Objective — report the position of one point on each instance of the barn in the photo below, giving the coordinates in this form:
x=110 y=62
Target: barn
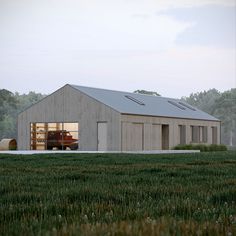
x=92 y=119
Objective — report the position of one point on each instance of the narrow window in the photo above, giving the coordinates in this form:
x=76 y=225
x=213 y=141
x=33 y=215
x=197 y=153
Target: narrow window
x=204 y=138
x=200 y=134
x=195 y=133
x=214 y=135
x=182 y=134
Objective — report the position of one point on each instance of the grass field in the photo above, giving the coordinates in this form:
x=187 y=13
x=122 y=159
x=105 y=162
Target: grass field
x=118 y=194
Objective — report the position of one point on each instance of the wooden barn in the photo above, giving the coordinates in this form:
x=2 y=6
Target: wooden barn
x=91 y=119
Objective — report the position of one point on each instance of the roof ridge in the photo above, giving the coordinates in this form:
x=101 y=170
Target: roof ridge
x=154 y=105
x=119 y=91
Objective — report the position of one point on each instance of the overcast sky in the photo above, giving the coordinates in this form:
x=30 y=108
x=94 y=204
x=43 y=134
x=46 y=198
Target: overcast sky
x=174 y=47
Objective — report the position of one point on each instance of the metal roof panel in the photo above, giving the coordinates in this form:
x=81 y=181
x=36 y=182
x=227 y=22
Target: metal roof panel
x=139 y=104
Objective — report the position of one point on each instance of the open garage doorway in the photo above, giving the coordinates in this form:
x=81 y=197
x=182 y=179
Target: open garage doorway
x=54 y=136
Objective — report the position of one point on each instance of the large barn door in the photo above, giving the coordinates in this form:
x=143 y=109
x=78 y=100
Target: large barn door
x=132 y=136
x=102 y=136
x=137 y=137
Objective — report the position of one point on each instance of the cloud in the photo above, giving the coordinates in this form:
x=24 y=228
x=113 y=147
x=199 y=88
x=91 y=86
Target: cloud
x=92 y=25
x=212 y=25
x=45 y=26
x=166 y=4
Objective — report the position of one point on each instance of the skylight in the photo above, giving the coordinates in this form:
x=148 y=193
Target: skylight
x=177 y=105
x=188 y=106
x=135 y=100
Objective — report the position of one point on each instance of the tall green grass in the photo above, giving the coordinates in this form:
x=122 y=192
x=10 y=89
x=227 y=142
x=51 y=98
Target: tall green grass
x=118 y=194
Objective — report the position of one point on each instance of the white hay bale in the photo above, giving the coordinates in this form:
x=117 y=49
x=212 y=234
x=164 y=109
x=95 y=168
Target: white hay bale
x=8 y=144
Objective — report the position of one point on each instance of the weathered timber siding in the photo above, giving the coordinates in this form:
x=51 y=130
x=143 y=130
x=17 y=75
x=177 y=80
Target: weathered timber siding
x=152 y=126
x=70 y=105
x=124 y=132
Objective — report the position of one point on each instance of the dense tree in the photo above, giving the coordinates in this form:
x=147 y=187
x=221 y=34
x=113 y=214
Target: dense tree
x=220 y=105
x=10 y=105
x=26 y=100
x=225 y=110
x=204 y=100
x=147 y=92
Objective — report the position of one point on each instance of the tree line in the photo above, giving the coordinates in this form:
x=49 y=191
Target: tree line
x=220 y=105
x=11 y=104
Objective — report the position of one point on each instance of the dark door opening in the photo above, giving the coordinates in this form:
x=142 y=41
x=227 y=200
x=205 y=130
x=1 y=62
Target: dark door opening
x=165 y=137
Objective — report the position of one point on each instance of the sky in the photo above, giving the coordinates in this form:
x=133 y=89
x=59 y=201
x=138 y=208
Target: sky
x=173 y=47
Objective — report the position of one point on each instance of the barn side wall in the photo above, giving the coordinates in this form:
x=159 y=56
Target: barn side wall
x=152 y=130
x=70 y=105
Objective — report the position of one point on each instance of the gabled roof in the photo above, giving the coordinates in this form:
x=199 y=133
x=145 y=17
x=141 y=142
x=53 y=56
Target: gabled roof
x=139 y=104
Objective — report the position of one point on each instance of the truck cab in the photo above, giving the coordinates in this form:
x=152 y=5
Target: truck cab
x=61 y=139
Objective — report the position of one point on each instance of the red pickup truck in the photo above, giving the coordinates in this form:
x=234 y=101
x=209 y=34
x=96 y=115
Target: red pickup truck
x=61 y=139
